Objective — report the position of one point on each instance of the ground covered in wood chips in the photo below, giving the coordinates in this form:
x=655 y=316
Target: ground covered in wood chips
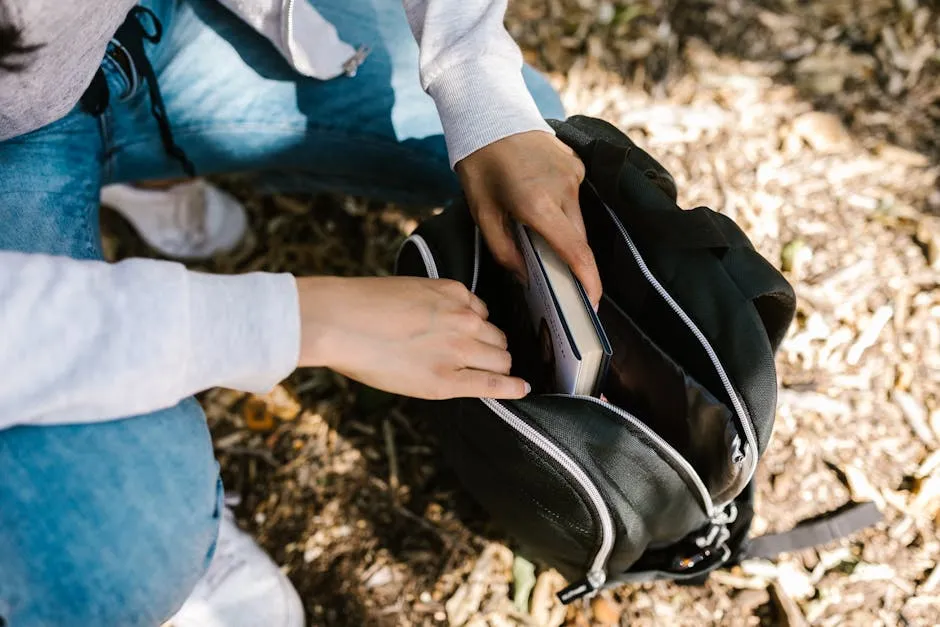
x=815 y=126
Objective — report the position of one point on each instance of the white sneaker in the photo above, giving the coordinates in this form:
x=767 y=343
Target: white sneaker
x=192 y=220
x=242 y=588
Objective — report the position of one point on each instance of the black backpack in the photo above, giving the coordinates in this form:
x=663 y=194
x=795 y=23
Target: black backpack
x=656 y=482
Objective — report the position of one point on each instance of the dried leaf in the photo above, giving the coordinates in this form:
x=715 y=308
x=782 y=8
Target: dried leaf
x=523 y=581
x=605 y=610
x=257 y=415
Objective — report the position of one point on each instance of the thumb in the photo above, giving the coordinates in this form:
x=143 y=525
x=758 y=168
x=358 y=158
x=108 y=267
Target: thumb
x=502 y=244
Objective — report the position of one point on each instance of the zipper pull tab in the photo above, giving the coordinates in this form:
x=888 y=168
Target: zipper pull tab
x=351 y=66
x=587 y=587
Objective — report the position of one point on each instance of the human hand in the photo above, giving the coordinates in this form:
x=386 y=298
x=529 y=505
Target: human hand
x=426 y=338
x=532 y=178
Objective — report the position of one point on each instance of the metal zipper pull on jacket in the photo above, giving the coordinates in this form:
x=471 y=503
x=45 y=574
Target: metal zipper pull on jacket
x=351 y=66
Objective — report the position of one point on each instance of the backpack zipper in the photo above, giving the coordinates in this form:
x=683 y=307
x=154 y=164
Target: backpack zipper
x=426 y=255
x=476 y=259
x=740 y=411
x=597 y=574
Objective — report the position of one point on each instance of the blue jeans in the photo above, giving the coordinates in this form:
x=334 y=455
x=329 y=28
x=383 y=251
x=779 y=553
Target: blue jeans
x=113 y=523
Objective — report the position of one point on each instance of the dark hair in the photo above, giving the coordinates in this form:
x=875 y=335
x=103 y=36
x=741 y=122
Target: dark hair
x=14 y=52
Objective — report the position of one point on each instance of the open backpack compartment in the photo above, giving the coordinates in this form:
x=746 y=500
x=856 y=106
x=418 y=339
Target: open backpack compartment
x=654 y=481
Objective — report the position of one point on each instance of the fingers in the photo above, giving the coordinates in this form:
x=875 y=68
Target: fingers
x=460 y=296
x=482 y=356
x=489 y=334
x=478 y=306
x=572 y=246
x=479 y=384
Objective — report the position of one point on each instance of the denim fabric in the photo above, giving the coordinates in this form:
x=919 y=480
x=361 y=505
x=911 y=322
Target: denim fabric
x=113 y=523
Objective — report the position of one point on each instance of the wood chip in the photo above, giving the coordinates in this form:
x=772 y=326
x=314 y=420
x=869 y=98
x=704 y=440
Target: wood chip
x=824 y=132
x=794 y=579
x=896 y=154
x=935 y=421
x=929 y=465
x=870 y=334
x=926 y=495
x=466 y=601
x=737 y=582
x=546 y=609
x=789 y=613
x=928 y=236
x=916 y=416
x=860 y=487
x=932 y=582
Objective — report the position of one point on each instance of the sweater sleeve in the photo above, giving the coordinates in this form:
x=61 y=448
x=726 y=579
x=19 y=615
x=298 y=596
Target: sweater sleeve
x=88 y=341
x=468 y=63
x=472 y=68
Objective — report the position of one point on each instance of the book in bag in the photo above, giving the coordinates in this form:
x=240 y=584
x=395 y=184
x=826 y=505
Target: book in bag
x=574 y=349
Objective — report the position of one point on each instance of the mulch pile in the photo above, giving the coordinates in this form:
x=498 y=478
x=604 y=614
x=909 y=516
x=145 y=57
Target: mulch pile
x=815 y=126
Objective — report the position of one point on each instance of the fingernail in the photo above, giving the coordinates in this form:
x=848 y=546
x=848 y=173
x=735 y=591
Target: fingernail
x=528 y=388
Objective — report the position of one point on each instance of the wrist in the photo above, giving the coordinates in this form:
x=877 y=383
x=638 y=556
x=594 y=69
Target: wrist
x=316 y=297
x=470 y=122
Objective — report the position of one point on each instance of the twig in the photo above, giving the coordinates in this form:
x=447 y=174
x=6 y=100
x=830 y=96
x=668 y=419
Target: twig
x=389 y=432
x=424 y=523
x=261 y=454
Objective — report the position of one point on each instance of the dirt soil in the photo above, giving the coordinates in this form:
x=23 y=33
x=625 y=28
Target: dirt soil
x=815 y=126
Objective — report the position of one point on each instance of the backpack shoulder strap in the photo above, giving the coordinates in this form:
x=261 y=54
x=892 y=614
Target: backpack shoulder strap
x=821 y=530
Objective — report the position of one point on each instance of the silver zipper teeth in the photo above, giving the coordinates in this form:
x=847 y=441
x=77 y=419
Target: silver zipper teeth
x=288 y=35
x=597 y=574
x=742 y=415
x=426 y=256
x=666 y=448
x=476 y=259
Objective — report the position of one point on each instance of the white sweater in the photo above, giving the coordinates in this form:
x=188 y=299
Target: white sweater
x=85 y=341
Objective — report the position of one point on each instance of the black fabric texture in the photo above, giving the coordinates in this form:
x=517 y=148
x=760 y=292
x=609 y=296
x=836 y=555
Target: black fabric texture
x=650 y=496
x=525 y=491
